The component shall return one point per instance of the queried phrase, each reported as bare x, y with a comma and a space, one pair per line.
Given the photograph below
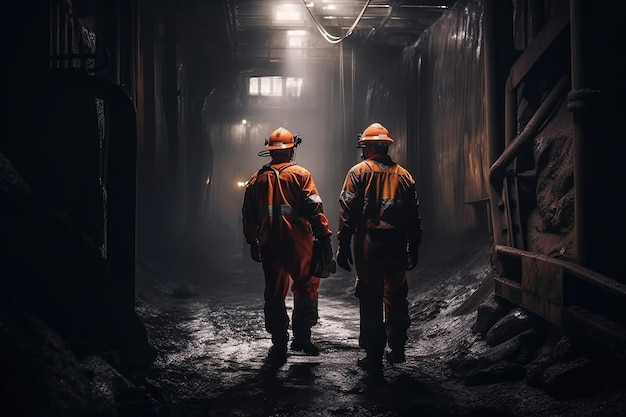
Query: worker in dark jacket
379, 213
282, 215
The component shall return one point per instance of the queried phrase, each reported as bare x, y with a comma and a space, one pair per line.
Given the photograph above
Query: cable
330, 38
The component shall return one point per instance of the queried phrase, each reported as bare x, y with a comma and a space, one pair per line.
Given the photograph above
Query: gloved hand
344, 256
327, 248
412, 256
255, 251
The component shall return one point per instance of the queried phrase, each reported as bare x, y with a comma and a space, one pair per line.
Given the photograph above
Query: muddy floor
208, 328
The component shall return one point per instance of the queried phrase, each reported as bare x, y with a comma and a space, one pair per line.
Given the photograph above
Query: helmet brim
277, 147
364, 143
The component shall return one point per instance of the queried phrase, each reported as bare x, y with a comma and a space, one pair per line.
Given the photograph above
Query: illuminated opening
287, 13
275, 86
293, 87
296, 38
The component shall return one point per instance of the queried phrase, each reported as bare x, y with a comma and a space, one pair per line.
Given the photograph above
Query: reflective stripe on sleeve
315, 198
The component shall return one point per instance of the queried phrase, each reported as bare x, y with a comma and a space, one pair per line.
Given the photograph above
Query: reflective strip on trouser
382, 288
283, 262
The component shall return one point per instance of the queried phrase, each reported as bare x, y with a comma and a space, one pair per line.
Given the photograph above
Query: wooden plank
543, 278
539, 44
542, 307
509, 290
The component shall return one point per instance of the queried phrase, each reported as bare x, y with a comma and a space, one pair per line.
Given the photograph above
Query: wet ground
208, 328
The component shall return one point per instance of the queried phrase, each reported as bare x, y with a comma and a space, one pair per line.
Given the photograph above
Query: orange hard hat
375, 134
281, 138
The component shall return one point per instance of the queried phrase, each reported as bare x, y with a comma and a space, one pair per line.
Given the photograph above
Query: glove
327, 248
344, 256
255, 251
412, 257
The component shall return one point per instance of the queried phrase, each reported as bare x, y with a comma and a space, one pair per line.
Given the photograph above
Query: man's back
379, 194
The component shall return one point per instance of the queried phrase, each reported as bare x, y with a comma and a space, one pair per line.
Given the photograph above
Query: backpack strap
276, 211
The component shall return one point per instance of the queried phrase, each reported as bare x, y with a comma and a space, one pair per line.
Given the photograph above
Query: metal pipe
501, 233
497, 170
56, 36
69, 38
510, 112
489, 63
51, 23
578, 83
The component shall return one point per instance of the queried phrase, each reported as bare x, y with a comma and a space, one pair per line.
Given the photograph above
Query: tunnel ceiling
261, 30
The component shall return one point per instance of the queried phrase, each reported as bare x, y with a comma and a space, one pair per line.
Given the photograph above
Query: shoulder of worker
388, 163
272, 166
254, 175
294, 168
360, 167
373, 164
404, 172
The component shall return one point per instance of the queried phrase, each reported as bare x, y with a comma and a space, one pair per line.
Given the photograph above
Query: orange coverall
379, 205
283, 217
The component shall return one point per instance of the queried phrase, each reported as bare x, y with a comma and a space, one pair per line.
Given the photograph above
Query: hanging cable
329, 37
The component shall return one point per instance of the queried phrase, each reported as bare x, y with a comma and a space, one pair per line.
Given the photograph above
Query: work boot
306, 346
277, 354
395, 355
372, 362
302, 341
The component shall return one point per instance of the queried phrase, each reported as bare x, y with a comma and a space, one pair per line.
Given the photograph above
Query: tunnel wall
449, 119
187, 77
380, 91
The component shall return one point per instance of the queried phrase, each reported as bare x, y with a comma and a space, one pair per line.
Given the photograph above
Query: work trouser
382, 289
283, 263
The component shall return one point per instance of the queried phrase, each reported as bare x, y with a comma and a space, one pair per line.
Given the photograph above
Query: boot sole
297, 347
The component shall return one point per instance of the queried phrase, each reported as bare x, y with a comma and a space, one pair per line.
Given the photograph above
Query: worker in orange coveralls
379, 205
282, 214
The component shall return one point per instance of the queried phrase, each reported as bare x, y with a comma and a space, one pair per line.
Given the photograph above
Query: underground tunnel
131, 131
